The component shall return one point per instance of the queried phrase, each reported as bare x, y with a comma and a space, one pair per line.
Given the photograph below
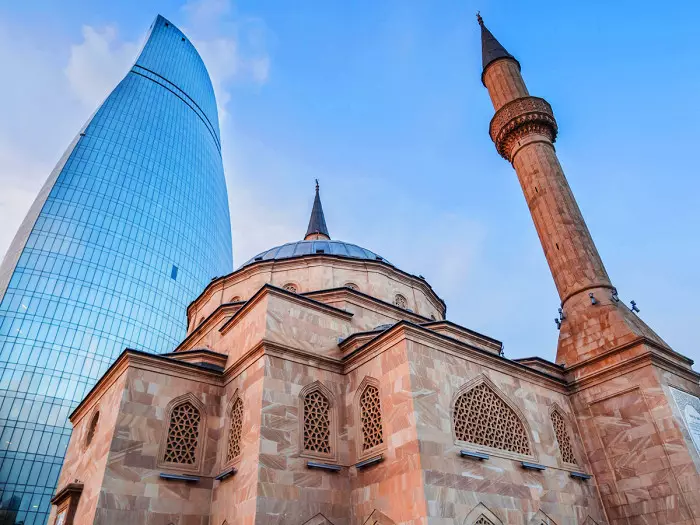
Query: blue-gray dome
317, 247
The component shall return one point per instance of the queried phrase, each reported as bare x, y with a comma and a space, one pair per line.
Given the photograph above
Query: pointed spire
317, 223
491, 49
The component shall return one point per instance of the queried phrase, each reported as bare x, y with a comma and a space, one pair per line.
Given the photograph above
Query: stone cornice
452, 346
199, 356
108, 379
70, 490
268, 289
144, 361
454, 328
219, 311
220, 283
519, 118
653, 355
363, 299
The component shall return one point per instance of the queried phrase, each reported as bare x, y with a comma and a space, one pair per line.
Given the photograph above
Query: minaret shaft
524, 131
505, 83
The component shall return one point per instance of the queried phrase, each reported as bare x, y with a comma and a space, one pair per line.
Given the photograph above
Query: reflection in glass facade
129, 228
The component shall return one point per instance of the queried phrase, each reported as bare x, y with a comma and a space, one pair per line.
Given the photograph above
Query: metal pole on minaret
524, 131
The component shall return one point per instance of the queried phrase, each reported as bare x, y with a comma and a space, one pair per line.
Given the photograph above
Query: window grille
562, 434
482, 417
483, 520
290, 287
400, 301
371, 414
317, 423
183, 434
234, 435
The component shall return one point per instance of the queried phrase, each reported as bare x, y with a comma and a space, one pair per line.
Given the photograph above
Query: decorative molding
311, 398
266, 267
196, 466
509, 405
519, 118
363, 453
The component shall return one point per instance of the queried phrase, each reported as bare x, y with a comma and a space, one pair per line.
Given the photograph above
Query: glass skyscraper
129, 228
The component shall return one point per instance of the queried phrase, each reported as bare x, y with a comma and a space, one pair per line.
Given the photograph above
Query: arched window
482, 520
318, 422
400, 301
92, 428
368, 411
182, 446
482, 417
235, 430
352, 286
235, 298
291, 287
561, 432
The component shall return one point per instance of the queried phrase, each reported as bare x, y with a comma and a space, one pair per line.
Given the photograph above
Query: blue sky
382, 102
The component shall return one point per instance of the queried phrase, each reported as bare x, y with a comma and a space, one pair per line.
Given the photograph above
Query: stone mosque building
320, 384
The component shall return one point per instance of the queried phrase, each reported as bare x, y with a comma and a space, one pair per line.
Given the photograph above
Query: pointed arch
563, 435
484, 418
369, 422
540, 518
482, 515
318, 422
318, 519
184, 434
378, 518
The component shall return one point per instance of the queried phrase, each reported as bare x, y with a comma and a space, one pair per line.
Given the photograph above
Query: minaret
524, 130
317, 229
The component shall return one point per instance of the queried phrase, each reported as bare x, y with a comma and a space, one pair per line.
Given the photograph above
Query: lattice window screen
483, 418
562, 433
371, 414
483, 520
290, 287
317, 423
400, 301
183, 434
234, 434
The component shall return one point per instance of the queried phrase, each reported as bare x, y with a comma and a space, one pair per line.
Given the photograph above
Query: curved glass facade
130, 227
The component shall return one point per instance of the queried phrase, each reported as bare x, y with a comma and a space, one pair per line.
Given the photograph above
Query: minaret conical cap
491, 49
317, 223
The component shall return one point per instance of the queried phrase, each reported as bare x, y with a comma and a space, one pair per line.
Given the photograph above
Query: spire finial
491, 49
317, 223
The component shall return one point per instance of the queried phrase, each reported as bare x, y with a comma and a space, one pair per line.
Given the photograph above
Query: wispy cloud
98, 63
233, 47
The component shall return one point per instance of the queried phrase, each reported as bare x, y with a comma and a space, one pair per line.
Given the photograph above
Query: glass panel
133, 228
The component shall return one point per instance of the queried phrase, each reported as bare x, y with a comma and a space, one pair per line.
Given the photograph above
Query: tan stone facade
319, 388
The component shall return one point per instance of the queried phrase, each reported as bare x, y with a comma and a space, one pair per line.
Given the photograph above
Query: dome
316, 247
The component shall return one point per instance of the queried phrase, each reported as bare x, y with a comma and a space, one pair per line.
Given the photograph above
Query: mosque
321, 384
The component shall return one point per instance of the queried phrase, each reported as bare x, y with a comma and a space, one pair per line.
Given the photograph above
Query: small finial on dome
479, 19
317, 229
